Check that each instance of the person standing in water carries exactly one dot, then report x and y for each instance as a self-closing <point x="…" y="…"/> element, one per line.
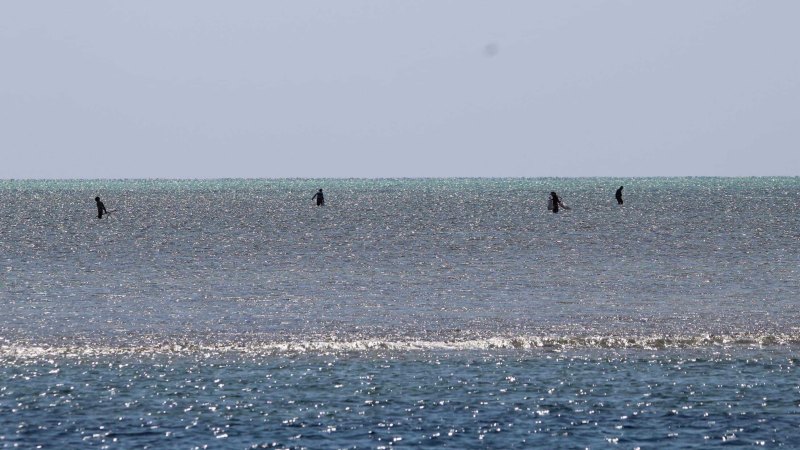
<point x="618" y="195"/>
<point x="319" y="197"/>
<point x="556" y="202"/>
<point x="101" y="208"/>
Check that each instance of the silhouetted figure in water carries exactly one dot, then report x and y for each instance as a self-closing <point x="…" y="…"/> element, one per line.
<point x="101" y="208"/>
<point x="556" y="202"/>
<point x="618" y="195"/>
<point x="320" y="198"/>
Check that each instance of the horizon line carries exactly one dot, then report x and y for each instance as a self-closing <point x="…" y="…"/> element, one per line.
<point x="397" y="178"/>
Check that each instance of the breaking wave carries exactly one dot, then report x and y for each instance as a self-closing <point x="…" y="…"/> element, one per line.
<point x="321" y="346"/>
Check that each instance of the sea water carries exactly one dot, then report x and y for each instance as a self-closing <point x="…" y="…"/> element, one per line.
<point x="454" y="313"/>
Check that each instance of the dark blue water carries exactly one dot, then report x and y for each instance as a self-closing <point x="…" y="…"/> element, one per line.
<point x="466" y="400"/>
<point x="427" y="313"/>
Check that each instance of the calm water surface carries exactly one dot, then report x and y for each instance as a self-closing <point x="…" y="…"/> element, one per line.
<point x="438" y="313"/>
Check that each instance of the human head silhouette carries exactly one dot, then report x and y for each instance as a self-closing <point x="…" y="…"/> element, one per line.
<point x="97" y="199"/>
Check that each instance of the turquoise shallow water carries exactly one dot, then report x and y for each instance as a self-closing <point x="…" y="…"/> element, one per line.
<point x="439" y="312"/>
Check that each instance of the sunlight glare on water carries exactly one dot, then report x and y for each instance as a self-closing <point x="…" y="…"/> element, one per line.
<point x="396" y="260"/>
<point x="425" y="312"/>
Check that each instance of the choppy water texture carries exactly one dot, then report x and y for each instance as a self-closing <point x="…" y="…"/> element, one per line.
<point x="445" y="312"/>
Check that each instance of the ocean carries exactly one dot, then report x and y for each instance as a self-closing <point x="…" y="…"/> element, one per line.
<point x="452" y="313"/>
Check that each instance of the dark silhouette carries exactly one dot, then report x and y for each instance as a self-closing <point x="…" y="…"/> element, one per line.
<point x="319" y="197"/>
<point x="618" y="195"/>
<point x="101" y="208"/>
<point x="556" y="202"/>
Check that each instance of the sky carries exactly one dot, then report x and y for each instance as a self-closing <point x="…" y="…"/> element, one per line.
<point x="412" y="88"/>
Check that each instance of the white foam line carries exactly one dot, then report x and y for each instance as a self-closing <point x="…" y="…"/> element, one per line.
<point x="556" y="343"/>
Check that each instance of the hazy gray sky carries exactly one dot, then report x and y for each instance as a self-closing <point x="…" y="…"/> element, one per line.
<point x="202" y="89"/>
